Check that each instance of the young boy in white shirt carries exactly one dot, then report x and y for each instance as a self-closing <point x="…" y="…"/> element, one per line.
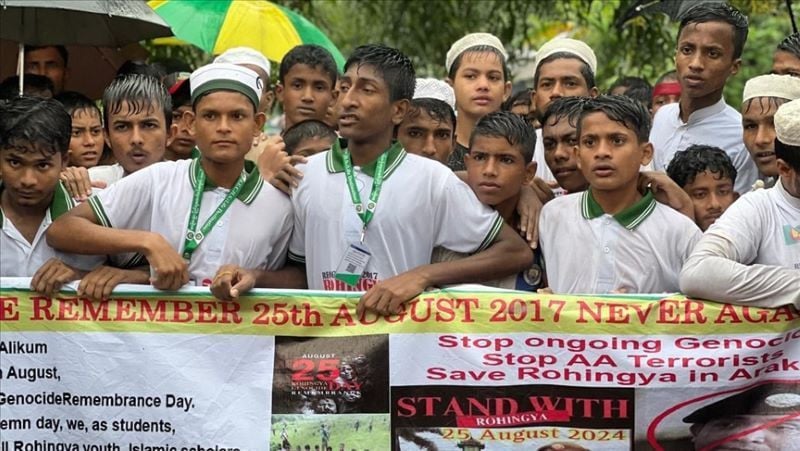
<point x="752" y="253"/>
<point x="190" y="217"/>
<point x="611" y="238"/>
<point x="34" y="143"/>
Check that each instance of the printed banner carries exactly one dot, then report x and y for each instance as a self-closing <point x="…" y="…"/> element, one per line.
<point x="459" y="369"/>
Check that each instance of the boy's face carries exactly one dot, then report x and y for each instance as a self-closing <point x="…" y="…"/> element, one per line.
<point x="711" y="195"/>
<point x="559" y="78"/>
<point x="183" y="141"/>
<point x="610" y="154"/>
<point x="759" y="134"/>
<point x="86" y="142"/>
<point x="137" y="136"/>
<point x="496" y="170"/>
<point x="479" y="84"/>
<point x="225" y="124"/>
<point x="664" y="99"/>
<point x="704" y="58"/>
<point x="47" y="61"/>
<point x="785" y="63"/>
<point x="306" y="93"/>
<point x="560" y="139"/>
<point x="424" y="135"/>
<point x="365" y="111"/>
<point x="29" y="175"/>
<point x="313" y="146"/>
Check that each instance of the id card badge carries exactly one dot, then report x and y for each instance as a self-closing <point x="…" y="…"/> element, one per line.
<point x="353" y="264"/>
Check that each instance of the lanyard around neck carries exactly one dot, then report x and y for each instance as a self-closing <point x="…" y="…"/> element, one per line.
<point x="377" y="182"/>
<point x="193" y="236"/>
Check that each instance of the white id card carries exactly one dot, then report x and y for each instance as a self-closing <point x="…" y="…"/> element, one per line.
<point x="353" y="264"/>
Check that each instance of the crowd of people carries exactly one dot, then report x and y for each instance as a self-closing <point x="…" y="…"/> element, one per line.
<point x="389" y="184"/>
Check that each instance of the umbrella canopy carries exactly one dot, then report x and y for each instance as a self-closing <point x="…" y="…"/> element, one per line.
<point x="106" y="23"/>
<point x="217" y="25"/>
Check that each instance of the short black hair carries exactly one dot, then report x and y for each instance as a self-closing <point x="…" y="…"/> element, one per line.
<point x="300" y="131"/>
<point x="621" y="109"/>
<point x="311" y="55"/>
<point x="698" y="158"/>
<point x="75" y="101"/>
<point x="791" y="44"/>
<point x="436" y="109"/>
<point x="43" y="124"/>
<point x="668" y="77"/>
<point x="586" y="71"/>
<point x="765" y="102"/>
<point x="719" y="12"/>
<point x="479" y="49"/>
<point x="521" y="97"/>
<point x="568" y="108"/>
<point x="392" y="64"/>
<point x="505" y="124"/>
<point x="9" y="88"/>
<point x="62" y="51"/>
<point x="789" y="154"/>
<point x="131" y="67"/>
<point x="139" y="92"/>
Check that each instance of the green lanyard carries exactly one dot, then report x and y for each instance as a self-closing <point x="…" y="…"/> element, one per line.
<point x="193" y="236"/>
<point x="377" y="182"/>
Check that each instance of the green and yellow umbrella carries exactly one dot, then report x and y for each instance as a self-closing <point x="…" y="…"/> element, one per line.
<point x="217" y="25"/>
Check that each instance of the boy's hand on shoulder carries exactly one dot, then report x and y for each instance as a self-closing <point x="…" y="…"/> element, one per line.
<point x="101" y="281"/>
<point x="277" y="167"/>
<point x="387" y="296"/>
<point x="532" y="198"/>
<point x="232" y="281"/>
<point x="78" y="184"/>
<point x="171" y="270"/>
<point x="667" y="192"/>
<point x="49" y="279"/>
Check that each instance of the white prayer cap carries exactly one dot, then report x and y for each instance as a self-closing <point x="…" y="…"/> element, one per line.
<point x="787" y="123"/>
<point x="473" y="40"/>
<point x="572" y="46"/>
<point x="771" y="85"/>
<point x="244" y="55"/>
<point x="226" y="77"/>
<point x="431" y="88"/>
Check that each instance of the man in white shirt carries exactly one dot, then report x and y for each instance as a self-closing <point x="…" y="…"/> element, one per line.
<point x="751" y="255"/>
<point x="710" y="43"/>
<point x="192" y="216"/>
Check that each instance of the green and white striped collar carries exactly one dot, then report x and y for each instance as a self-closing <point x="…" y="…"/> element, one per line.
<point x="334" y="159"/>
<point x="62" y="202"/>
<point x="249" y="191"/>
<point x="630" y="218"/>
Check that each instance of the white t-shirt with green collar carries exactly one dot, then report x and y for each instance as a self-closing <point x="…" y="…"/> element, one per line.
<point x="253" y="233"/>
<point x="20" y="258"/>
<point x="639" y="250"/>
<point x="422" y="205"/>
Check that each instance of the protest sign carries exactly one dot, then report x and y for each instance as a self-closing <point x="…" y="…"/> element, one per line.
<point x="459" y="369"/>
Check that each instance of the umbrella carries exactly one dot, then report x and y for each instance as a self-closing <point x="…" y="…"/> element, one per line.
<point x="217" y="25"/>
<point x="109" y="23"/>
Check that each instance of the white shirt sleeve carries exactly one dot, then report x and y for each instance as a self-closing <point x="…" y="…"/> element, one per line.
<point x="464" y="224"/>
<point x="297" y="243"/>
<point x="127" y="204"/>
<point x="277" y="258"/>
<point x="714" y="272"/>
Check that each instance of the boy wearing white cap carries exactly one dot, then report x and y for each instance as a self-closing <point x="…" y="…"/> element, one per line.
<point x="763" y="95"/>
<point x="477" y="71"/>
<point x="751" y="255"/>
<point x="564" y="68"/>
<point x="428" y="129"/>
<point x="255" y="61"/>
<point x="711" y="38"/>
<point x="206" y="218"/>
